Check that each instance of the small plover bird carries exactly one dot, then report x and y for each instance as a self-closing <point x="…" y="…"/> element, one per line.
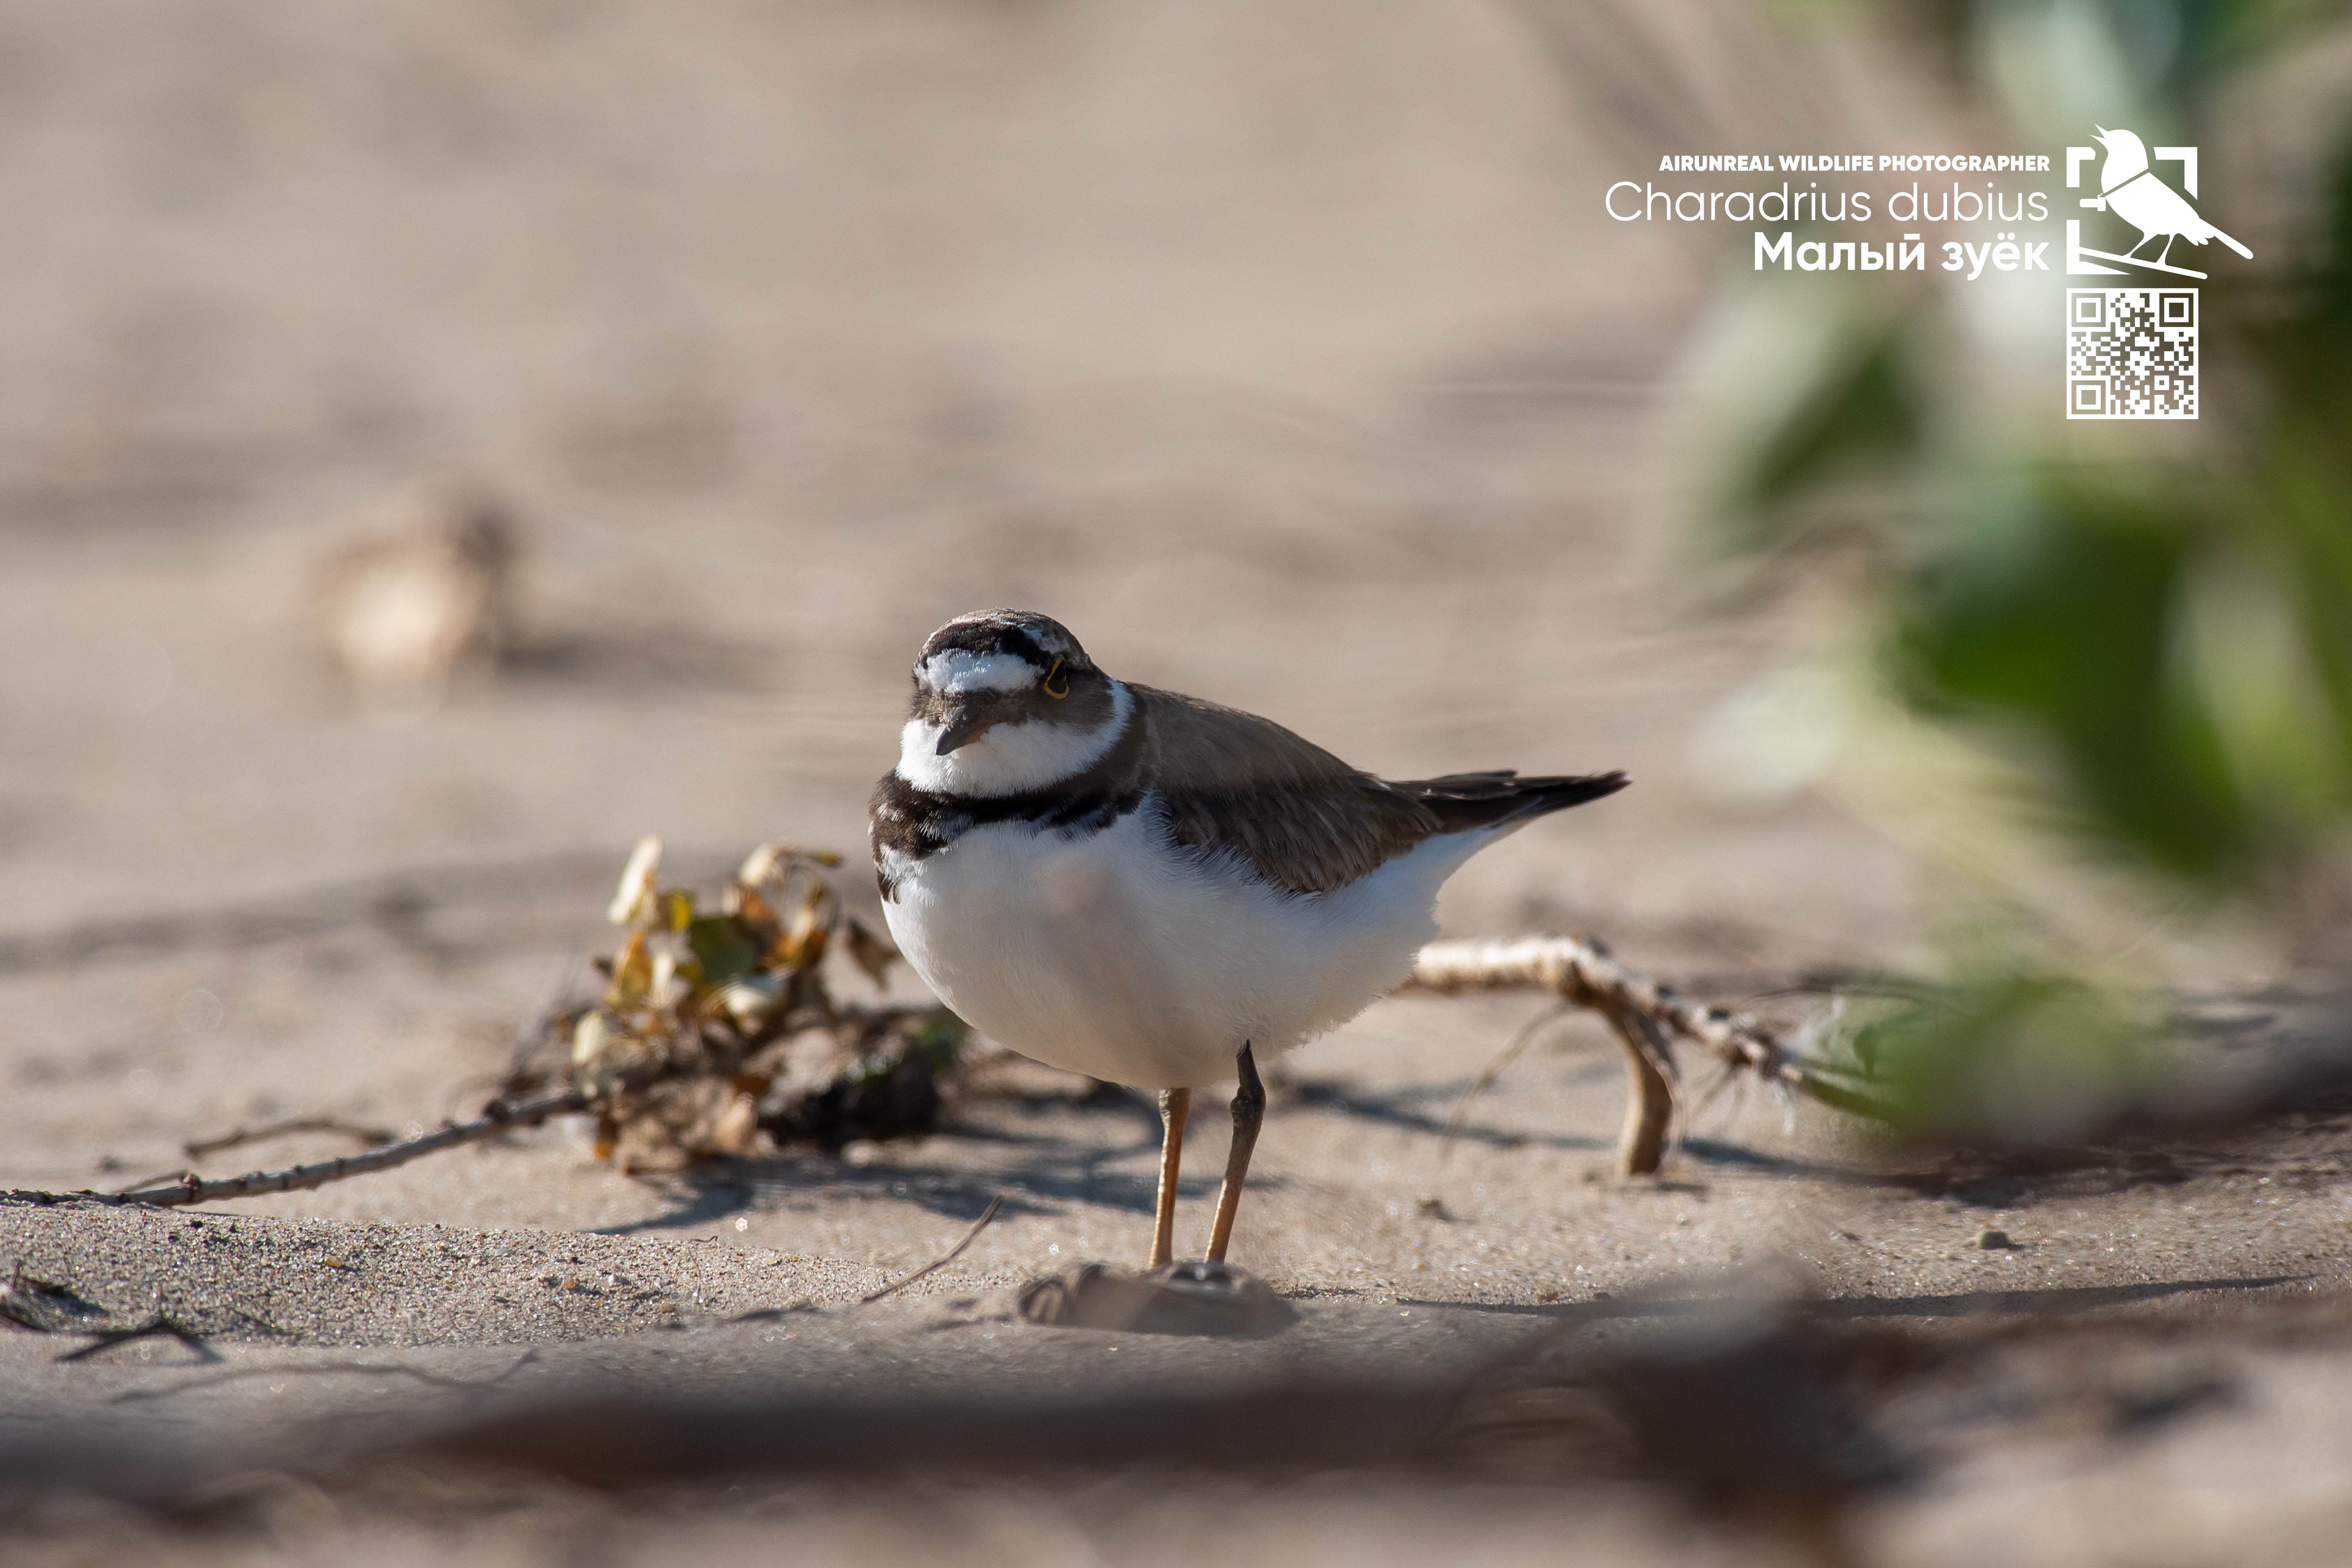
<point x="1154" y="889"/>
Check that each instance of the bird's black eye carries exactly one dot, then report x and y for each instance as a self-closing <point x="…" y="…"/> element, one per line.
<point x="1058" y="681"/>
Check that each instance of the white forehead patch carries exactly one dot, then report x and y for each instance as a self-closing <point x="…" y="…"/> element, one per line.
<point x="953" y="671"/>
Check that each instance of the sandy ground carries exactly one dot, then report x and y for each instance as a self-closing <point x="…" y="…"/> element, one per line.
<point x="1299" y="378"/>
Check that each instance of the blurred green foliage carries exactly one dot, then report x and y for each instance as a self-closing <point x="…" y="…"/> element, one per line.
<point x="2003" y="1056"/>
<point x="2164" y="628"/>
<point x="2063" y="622"/>
<point x="2154" y="623"/>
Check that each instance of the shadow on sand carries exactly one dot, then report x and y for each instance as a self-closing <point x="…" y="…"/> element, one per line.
<point x="2052" y="1301"/>
<point x="1056" y="1174"/>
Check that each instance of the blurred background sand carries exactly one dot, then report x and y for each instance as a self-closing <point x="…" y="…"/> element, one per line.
<point x="1291" y="362"/>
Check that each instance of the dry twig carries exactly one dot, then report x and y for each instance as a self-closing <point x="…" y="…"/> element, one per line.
<point x="370" y="1136"/>
<point x="944" y="1258"/>
<point x="1647" y="1018"/>
<point x="498" y="1116"/>
<point x="1521" y="1040"/>
<point x="152" y="1179"/>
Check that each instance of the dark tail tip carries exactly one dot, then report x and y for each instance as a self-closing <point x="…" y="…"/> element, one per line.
<point x="1541" y="797"/>
<point x="1577" y="791"/>
<point x="1487" y="800"/>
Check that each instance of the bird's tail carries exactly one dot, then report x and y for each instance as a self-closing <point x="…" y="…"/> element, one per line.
<point x="2232" y="244"/>
<point x="1463" y="801"/>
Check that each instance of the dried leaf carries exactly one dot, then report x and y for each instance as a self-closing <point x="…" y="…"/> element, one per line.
<point x="590" y="1037"/>
<point x="871" y="953"/>
<point x="755" y="996"/>
<point x="637" y="889"/>
<point x="810" y="951"/>
<point x="754" y="909"/>
<point x="803" y="946"/>
<point x="760" y="864"/>
<point x="632" y="974"/>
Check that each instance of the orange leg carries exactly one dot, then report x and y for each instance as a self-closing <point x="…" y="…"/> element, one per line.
<point x="1249" y="1110"/>
<point x="1175" y="1106"/>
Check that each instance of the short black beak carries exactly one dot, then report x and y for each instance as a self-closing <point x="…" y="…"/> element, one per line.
<point x="962" y="730"/>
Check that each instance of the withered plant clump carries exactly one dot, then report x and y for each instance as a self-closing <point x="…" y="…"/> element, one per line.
<point x="718" y="1034"/>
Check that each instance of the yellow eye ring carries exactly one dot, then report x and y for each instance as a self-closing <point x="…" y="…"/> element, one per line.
<point x="1051" y="690"/>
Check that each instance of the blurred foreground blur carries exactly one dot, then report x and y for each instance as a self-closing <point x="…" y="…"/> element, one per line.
<point x="2124" y="645"/>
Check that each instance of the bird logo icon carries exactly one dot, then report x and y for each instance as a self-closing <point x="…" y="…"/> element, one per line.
<point x="2130" y="188"/>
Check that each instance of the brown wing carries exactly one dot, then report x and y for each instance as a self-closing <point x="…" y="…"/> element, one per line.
<point x="1233" y="782"/>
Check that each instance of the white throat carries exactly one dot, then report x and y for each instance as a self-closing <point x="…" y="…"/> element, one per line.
<point x="1009" y="758"/>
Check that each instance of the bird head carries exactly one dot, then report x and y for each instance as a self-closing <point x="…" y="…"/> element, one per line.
<point x="1004" y="667"/>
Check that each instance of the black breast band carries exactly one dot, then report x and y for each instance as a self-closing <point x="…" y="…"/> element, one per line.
<point x="919" y="822"/>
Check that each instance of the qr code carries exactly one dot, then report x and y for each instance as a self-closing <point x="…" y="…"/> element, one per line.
<point x="2131" y="354"/>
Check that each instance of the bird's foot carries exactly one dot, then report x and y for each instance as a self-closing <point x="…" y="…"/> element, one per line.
<point x="1185" y="1298"/>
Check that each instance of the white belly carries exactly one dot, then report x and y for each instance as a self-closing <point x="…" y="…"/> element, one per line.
<point x="1109" y="953"/>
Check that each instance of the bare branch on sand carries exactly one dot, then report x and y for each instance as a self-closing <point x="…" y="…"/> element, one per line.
<point x="496" y="1117"/>
<point x="1648" y="1018"/>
